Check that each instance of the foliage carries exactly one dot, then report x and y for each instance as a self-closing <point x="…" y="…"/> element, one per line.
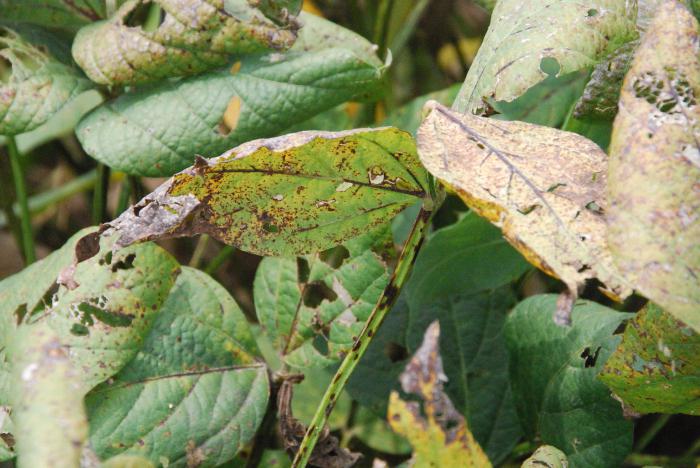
<point x="510" y="280"/>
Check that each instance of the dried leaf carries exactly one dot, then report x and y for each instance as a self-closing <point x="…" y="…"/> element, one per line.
<point x="193" y="36"/>
<point x="656" y="368"/>
<point x="653" y="190"/>
<point x="291" y="195"/>
<point x="542" y="186"/>
<point x="441" y="437"/>
<point x="37" y="85"/>
<point x="528" y="41"/>
<point x="546" y="456"/>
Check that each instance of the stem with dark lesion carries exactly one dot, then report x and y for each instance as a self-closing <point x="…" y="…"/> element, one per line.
<point x="384" y="304"/>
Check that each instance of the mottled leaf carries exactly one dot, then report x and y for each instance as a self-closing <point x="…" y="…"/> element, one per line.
<point x="62" y="339"/>
<point x="156" y="130"/>
<point x="546" y="103"/>
<point x="197" y="389"/>
<point x="33" y="84"/>
<point x="192" y="36"/>
<point x="544" y="187"/>
<point x="602" y="91"/>
<point x="289" y="195"/>
<point x="441" y="437"/>
<point x="553" y="373"/>
<point x="65" y="14"/>
<point x="314" y="316"/>
<point x="527" y="41"/>
<point x="653" y="192"/>
<point x="475" y="360"/>
<point x="546" y="456"/>
<point x="656" y="368"/>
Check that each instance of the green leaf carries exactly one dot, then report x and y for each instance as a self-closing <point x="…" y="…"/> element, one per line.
<point x="64" y="14"/>
<point x="156" y="131"/>
<point x="526" y="42"/>
<point x="656" y="368"/>
<point x="553" y="373"/>
<point x="61" y="339"/>
<point x="313" y="316"/>
<point x="547" y="103"/>
<point x="469" y="256"/>
<point x="290" y="195"/>
<point x="654" y="201"/>
<point x="475" y="361"/>
<point x="602" y="91"/>
<point x="408" y="117"/>
<point x="196" y="390"/>
<point x="192" y="36"/>
<point x="33" y="85"/>
<point x="547" y="456"/>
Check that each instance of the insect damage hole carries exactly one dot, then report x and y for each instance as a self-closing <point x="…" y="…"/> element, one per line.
<point x="550" y="66"/>
<point x="146" y="15"/>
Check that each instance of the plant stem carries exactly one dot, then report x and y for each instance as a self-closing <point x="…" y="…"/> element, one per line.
<point x="7" y="201"/>
<point x="21" y="194"/>
<point x="124" y="196"/>
<point x="386" y="300"/>
<point x="219" y="260"/>
<point x="199" y="250"/>
<point x="99" y="198"/>
<point x="649" y="435"/>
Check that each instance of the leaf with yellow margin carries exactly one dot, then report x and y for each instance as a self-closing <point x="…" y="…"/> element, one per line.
<point x="442" y="437"/>
<point x="654" y="188"/>
<point x="545" y="188"/>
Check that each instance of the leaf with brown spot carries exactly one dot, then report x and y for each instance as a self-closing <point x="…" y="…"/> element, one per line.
<point x="654" y="176"/>
<point x="291" y="195"/>
<point x="192" y="36"/>
<point x="546" y="456"/>
<point x="441" y="437"/>
<point x="543" y="187"/>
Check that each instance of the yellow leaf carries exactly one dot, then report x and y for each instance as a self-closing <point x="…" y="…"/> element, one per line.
<point x="441" y="438"/>
<point x="545" y="188"/>
<point x="654" y="189"/>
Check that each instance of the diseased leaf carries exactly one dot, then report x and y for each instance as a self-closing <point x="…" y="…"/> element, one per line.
<point x="156" y="130"/>
<point x="65" y="14"/>
<point x="547" y="103"/>
<point x="475" y="360"/>
<point x="329" y="302"/>
<point x="33" y="84"/>
<point x="656" y="368"/>
<point x="553" y="373"/>
<point x="197" y="389"/>
<point x="192" y="36"/>
<point x="61" y="339"/>
<point x="543" y="187"/>
<point x="527" y="41"/>
<point x="602" y="91"/>
<point x="548" y="457"/>
<point x="289" y="195"/>
<point x="441" y="437"/>
<point x="653" y="192"/>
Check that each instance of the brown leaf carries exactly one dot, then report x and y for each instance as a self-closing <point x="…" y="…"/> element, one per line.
<point x="654" y="178"/>
<point x="545" y="188"/>
<point x="441" y="438"/>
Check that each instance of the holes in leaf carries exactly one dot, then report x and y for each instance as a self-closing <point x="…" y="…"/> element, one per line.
<point x="108" y="317"/>
<point x="334" y="257"/>
<point x="303" y="270"/>
<point x="146" y="15"/>
<point x="126" y="263"/>
<point x="395" y="352"/>
<point x="590" y="358"/>
<point x="271" y="228"/>
<point x="315" y="293"/>
<point x="591" y="13"/>
<point x="550" y="66"/>
<point x="87" y="247"/>
<point x="79" y="329"/>
<point x="655" y="91"/>
<point x="20" y="313"/>
<point x="5" y="69"/>
<point x="8" y="438"/>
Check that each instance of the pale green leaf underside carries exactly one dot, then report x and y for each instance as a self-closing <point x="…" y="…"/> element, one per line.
<point x="37" y="87"/>
<point x="157" y="131"/>
<point x="656" y="368"/>
<point x="194" y="36"/>
<point x="555" y="388"/>
<point x="575" y="34"/>
<point x="291" y="195"/>
<point x="64" y="14"/>
<point x="197" y="385"/>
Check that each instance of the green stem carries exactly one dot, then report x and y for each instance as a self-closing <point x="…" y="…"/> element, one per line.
<point x="7" y="200"/>
<point x="99" y="200"/>
<point x="21" y="193"/>
<point x="399" y="41"/>
<point x="124" y="196"/>
<point x="219" y="260"/>
<point x="199" y="251"/>
<point x="649" y="435"/>
<point x="387" y="299"/>
<point x="381" y="25"/>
